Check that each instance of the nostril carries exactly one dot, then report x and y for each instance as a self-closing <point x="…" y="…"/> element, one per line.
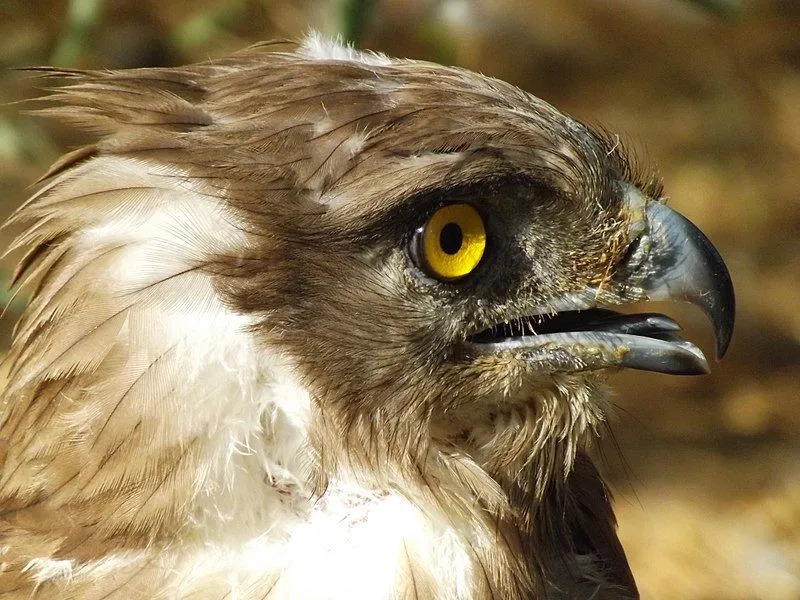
<point x="637" y="251"/>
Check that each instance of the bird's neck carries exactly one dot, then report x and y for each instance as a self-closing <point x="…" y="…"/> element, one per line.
<point x="489" y="478"/>
<point x="461" y="519"/>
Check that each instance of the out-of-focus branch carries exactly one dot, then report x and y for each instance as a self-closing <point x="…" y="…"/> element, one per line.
<point x="729" y="9"/>
<point x="353" y="17"/>
<point x="82" y="17"/>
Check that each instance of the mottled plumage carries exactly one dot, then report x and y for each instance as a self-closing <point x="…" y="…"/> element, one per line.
<point x="234" y="381"/>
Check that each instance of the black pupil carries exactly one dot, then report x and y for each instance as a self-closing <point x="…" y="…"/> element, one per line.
<point x="451" y="238"/>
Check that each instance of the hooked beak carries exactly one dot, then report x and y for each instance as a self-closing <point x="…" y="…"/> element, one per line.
<point x="683" y="265"/>
<point x="669" y="259"/>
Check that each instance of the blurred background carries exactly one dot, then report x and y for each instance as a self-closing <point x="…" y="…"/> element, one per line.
<point x="706" y="471"/>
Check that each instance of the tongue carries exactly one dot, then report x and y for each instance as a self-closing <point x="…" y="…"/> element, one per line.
<point x="638" y="324"/>
<point x="600" y="319"/>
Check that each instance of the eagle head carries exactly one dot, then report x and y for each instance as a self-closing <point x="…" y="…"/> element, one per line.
<point x="285" y="287"/>
<point x="442" y="251"/>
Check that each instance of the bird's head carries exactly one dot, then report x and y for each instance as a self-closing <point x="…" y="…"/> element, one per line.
<point x="434" y="250"/>
<point x="430" y="243"/>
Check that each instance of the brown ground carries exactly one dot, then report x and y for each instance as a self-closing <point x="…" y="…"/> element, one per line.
<point x="708" y="493"/>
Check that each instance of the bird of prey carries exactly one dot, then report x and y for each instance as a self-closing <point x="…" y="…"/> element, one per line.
<point x="314" y="323"/>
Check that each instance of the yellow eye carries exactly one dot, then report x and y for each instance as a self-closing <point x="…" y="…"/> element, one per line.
<point x="453" y="241"/>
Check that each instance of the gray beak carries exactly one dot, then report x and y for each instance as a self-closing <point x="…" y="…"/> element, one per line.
<point x="682" y="264"/>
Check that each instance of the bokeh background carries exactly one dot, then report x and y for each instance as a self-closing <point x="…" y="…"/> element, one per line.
<point x="706" y="471"/>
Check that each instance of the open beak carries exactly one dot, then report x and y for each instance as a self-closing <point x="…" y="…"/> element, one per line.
<point x="669" y="259"/>
<point x="683" y="265"/>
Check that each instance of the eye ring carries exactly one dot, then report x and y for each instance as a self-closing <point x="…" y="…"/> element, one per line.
<point x="452" y="242"/>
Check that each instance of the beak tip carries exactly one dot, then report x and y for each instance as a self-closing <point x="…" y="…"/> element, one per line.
<point x="723" y="343"/>
<point x="724" y="321"/>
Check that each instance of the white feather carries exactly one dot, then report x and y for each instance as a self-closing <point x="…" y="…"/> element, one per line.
<point x="320" y="47"/>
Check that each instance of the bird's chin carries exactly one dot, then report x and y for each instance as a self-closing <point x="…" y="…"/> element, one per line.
<point x="586" y="340"/>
